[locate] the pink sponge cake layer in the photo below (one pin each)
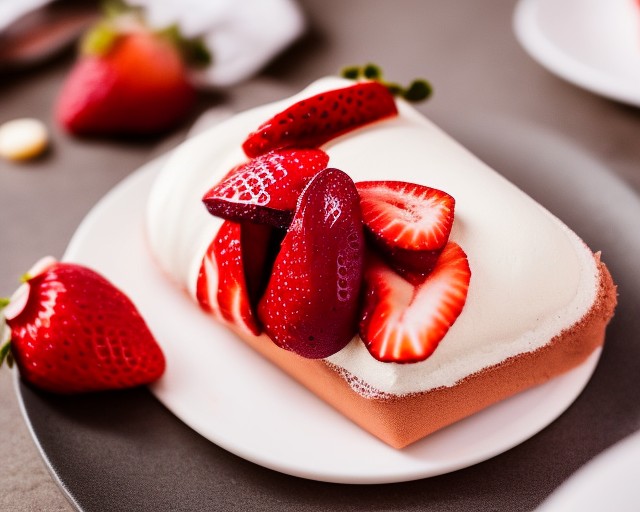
(538, 301)
(402, 420)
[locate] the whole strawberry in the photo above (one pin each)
(128, 80)
(73, 331)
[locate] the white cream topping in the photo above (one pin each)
(532, 277)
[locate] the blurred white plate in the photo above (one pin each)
(608, 482)
(594, 44)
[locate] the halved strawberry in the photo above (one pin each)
(313, 121)
(403, 322)
(233, 273)
(266, 188)
(311, 303)
(409, 223)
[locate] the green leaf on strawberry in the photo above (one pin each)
(120, 20)
(418, 90)
(5, 348)
(351, 72)
(372, 72)
(99, 40)
(194, 52)
(5, 341)
(5, 354)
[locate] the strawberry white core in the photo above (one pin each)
(532, 276)
(413, 221)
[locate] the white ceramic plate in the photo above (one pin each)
(594, 44)
(236, 399)
(608, 482)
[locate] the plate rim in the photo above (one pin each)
(563, 64)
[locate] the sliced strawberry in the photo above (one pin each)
(233, 273)
(409, 223)
(313, 121)
(233, 294)
(73, 331)
(266, 188)
(403, 322)
(311, 303)
(207, 283)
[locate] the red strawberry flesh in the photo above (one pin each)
(233, 273)
(78, 333)
(311, 303)
(266, 188)
(409, 223)
(316, 120)
(260, 246)
(404, 322)
(233, 296)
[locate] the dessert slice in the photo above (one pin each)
(503, 298)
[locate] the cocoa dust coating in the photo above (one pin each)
(402, 420)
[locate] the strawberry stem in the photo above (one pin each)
(99, 40)
(119, 19)
(194, 51)
(418, 90)
(395, 89)
(101, 37)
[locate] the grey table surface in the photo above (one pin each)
(467, 48)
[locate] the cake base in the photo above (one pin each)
(402, 420)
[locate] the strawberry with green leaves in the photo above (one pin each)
(72, 331)
(129, 80)
(313, 121)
